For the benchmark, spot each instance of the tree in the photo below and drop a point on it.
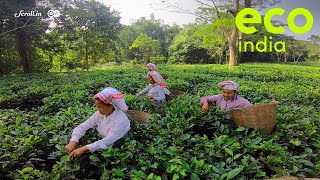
(187, 47)
(145, 47)
(92, 28)
(314, 47)
(24, 31)
(210, 12)
(297, 49)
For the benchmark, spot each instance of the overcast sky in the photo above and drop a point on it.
(312, 5)
(135, 9)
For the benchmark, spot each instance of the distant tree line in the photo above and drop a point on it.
(88, 34)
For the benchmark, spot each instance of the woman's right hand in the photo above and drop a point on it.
(71, 146)
(205, 107)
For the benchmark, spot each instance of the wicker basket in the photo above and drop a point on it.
(139, 116)
(177, 92)
(164, 76)
(294, 178)
(261, 116)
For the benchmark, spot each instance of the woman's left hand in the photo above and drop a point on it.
(78, 152)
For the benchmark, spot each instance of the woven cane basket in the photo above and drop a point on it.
(261, 116)
(164, 76)
(177, 92)
(294, 178)
(139, 116)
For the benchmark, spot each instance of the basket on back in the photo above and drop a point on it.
(261, 116)
(164, 76)
(139, 116)
(177, 92)
(174, 93)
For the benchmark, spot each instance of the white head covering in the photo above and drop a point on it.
(159, 81)
(112, 96)
(229, 85)
(152, 66)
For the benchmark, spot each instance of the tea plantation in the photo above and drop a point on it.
(39, 112)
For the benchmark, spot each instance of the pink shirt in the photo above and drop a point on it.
(235, 102)
(111, 128)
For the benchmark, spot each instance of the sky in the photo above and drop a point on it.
(312, 5)
(134, 9)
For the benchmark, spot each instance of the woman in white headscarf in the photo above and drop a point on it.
(157, 89)
(110, 121)
(151, 67)
(228, 99)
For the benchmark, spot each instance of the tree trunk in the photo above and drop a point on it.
(23, 48)
(86, 53)
(233, 39)
(285, 57)
(247, 3)
(299, 57)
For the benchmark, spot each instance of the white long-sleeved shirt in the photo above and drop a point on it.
(154, 91)
(111, 128)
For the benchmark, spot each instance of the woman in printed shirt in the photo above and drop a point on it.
(110, 121)
(228, 99)
(157, 89)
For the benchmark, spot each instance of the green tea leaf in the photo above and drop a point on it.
(307, 163)
(27, 169)
(239, 129)
(233, 173)
(295, 142)
(194, 176)
(236, 156)
(175, 177)
(229, 151)
(64, 158)
(215, 169)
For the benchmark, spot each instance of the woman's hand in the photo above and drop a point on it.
(205, 107)
(78, 152)
(71, 146)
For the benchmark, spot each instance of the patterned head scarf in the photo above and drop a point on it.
(229, 85)
(159, 81)
(152, 67)
(112, 96)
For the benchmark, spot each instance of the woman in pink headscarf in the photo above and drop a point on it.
(228, 99)
(110, 121)
(157, 89)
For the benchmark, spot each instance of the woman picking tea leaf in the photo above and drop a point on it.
(110, 121)
(151, 67)
(228, 99)
(157, 89)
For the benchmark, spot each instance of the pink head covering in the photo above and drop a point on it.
(152, 67)
(229, 85)
(159, 81)
(112, 96)
(157, 78)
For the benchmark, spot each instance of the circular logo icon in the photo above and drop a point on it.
(53, 13)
